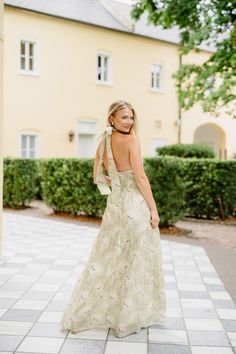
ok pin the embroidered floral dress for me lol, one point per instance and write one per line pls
(122, 285)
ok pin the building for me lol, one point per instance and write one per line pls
(66, 62)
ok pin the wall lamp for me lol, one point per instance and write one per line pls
(71, 135)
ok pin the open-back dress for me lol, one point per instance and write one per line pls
(122, 285)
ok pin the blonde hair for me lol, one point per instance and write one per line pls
(116, 106)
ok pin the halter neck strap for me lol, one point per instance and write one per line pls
(102, 180)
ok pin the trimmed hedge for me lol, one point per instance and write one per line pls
(67, 185)
(194, 187)
(168, 186)
(20, 184)
(211, 192)
(186, 150)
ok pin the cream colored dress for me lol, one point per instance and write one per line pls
(122, 285)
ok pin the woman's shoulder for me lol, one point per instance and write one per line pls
(130, 141)
(126, 138)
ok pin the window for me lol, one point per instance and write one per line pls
(103, 68)
(156, 77)
(28, 146)
(28, 57)
(86, 138)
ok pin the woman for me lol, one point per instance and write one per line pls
(122, 286)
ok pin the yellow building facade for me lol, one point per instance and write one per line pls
(61, 74)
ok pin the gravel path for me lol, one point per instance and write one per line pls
(214, 233)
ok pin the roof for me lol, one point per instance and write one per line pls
(109, 14)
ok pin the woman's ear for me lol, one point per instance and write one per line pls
(111, 119)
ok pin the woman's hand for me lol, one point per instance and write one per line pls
(154, 218)
(108, 179)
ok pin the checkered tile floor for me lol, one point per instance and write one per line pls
(41, 262)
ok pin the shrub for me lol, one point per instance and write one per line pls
(212, 187)
(166, 178)
(20, 182)
(186, 150)
(195, 187)
(67, 185)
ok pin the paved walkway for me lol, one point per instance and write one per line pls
(219, 242)
(212, 232)
(41, 263)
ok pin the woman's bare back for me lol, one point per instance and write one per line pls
(119, 146)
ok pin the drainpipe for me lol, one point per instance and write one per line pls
(179, 110)
(1, 118)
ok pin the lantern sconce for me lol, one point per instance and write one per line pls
(71, 135)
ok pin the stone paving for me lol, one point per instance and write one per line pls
(41, 263)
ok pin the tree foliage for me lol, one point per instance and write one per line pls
(213, 83)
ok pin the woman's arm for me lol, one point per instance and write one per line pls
(141, 178)
(95, 167)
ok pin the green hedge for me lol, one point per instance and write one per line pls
(20, 182)
(67, 185)
(211, 192)
(186, 150)
(195, 187)
(166, 178)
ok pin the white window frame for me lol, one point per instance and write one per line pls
(154, 71)
(102, 81)
(36, 135)
(36, 50)
(83, 130)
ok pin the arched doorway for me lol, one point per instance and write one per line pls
(213, 136)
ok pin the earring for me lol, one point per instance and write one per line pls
(111, 123)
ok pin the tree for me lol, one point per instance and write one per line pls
(213, 83)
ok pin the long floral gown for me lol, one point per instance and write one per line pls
(122, 285)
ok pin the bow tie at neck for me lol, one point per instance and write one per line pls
(109, 130)
(103, 181)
